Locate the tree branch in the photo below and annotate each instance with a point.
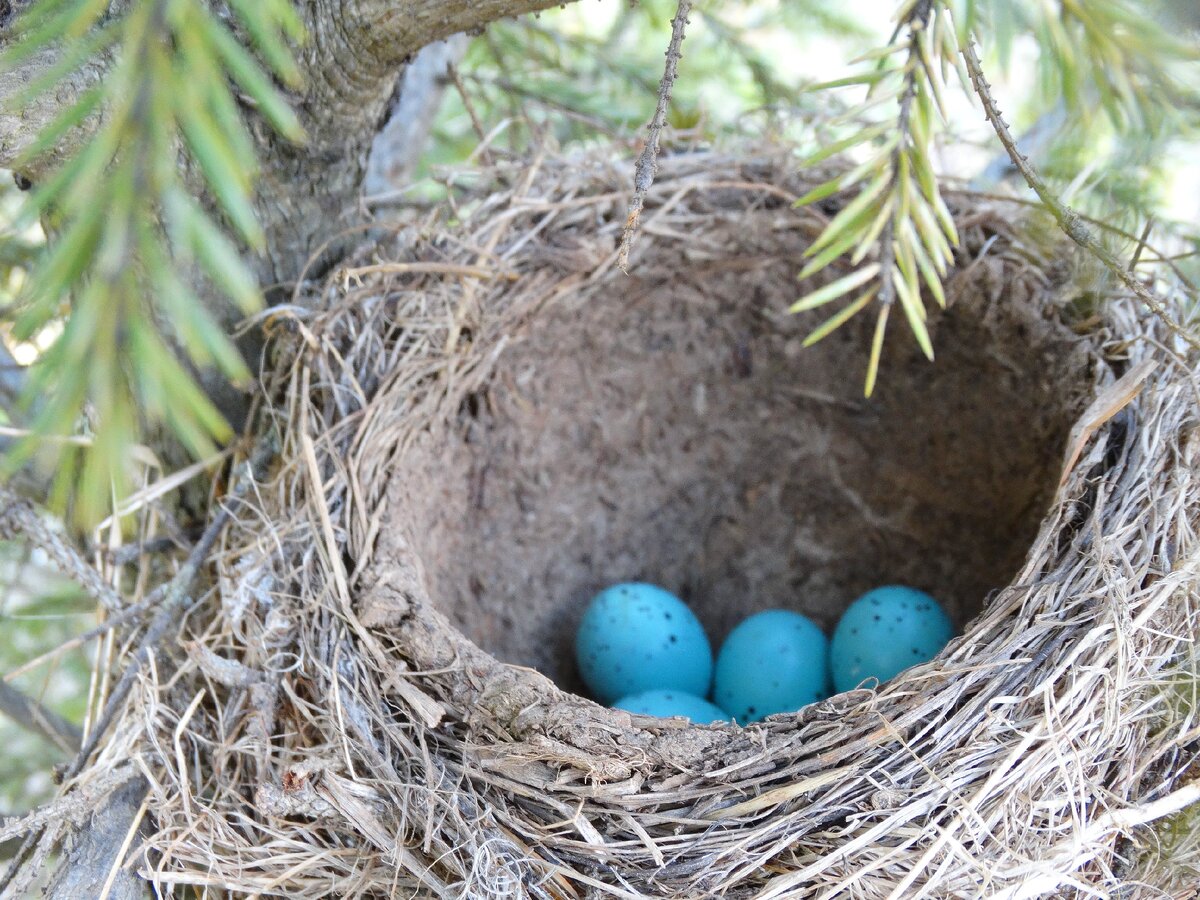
(392, 31)
(32, 716)
(647, 164)
(398, 146)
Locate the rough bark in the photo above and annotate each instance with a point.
(90, 862)
(353, 57)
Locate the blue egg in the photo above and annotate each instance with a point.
(637, 637)
(673, 703)
(884, 632)
(774, 661)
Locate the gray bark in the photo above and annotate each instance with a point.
(397, 148)
(93, 856)
(356, 50)
(32, 716)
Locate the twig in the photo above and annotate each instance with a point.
(32, 716)
(174, 598)
(130, 614)
(647, 164)
(19, 520)
(1160, 256)
(887, 248)
(1069, 221)
(469, 106)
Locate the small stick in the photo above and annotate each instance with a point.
(19, 520)
(32, 716)
(175, 598)
(1107, 404)
(647, 164)
(476, 124)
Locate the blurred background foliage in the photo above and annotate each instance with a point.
(588, 74)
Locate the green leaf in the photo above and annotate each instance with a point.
(77, 183)
(198, 81)
(868, 238)
(907, 266)
(829, 254)
(852, 216)
(878, 53)
(860, 137)
(929, 270)
(224, 173)
(199, 333)
(263, 22)
(214, 250)
(172, 394)
(60, 268)
(913, 311)
(848, 81)
(932, 235)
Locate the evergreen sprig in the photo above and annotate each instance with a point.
(896, 231)
(129, 235)
(898, 214)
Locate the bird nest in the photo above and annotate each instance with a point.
(480, 424)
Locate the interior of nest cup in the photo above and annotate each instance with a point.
(669, 427)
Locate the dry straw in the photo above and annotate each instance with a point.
(330, 732)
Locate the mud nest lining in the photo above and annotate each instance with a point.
(485, 422)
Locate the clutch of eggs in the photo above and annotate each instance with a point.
(641, 649)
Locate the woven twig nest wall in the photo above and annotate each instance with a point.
(486, 422)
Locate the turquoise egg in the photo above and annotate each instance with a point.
(774, 661)
(637, 637)
(672, 703)
(884, 632)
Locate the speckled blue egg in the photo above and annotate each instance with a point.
(637, 637)
(673, 703)
(884, 632)
(774, 661)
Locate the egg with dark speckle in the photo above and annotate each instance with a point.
(673, 703)
(774, 661)
(884, 632)
(637, 637)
